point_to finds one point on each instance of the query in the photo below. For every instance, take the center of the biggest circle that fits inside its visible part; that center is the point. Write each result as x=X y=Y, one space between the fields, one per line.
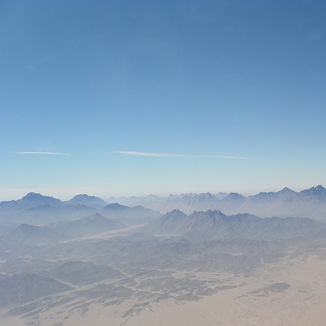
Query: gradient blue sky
x=197 y=79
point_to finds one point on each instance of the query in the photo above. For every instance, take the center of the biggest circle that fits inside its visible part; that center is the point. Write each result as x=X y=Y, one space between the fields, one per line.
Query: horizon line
x=53 y=192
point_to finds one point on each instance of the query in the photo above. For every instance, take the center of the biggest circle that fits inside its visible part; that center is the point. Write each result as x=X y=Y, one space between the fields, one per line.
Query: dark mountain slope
x=27 y=287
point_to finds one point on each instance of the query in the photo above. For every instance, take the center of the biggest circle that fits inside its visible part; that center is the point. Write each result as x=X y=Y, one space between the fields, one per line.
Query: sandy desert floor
x=10 y=321
x=291 y=292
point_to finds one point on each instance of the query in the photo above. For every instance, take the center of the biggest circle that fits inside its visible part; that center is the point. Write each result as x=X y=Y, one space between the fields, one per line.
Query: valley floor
x=290 y=292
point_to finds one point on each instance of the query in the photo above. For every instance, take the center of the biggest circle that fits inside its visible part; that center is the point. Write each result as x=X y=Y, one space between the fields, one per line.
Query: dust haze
x=89 y=260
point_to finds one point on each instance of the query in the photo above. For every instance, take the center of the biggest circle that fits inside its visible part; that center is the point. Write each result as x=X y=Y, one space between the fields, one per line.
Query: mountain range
x=87 y=251
x=218 y=226
x=54 y=232
x=36 y=209
x=286 y=202
x=40 y=210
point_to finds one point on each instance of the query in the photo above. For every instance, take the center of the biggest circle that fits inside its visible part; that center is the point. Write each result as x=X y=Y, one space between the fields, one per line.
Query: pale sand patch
x=301 y=304
x=10 y=321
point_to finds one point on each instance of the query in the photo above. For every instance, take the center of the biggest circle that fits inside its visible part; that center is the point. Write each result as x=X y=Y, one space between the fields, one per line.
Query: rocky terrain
x=135 y=266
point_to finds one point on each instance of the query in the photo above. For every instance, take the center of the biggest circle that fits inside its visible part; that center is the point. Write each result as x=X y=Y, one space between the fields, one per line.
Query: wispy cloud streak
x=179 y=155
x=40 y=153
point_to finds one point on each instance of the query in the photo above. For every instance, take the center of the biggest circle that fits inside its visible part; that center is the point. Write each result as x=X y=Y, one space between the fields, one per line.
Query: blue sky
x=235 y=90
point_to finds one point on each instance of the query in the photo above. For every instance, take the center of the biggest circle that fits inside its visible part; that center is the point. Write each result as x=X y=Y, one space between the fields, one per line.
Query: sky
x=120 y=98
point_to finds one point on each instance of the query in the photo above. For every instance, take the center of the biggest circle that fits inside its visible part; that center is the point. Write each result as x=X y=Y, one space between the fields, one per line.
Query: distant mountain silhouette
x=316 y=192
x=116 y=208
x=37 y=209
x=86 y=200
x=40 y=210
x=31 y=200
x=284 y=203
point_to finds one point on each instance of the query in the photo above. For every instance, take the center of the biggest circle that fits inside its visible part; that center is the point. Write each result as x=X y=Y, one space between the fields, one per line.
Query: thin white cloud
x=40 y=153
x=179 y=155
